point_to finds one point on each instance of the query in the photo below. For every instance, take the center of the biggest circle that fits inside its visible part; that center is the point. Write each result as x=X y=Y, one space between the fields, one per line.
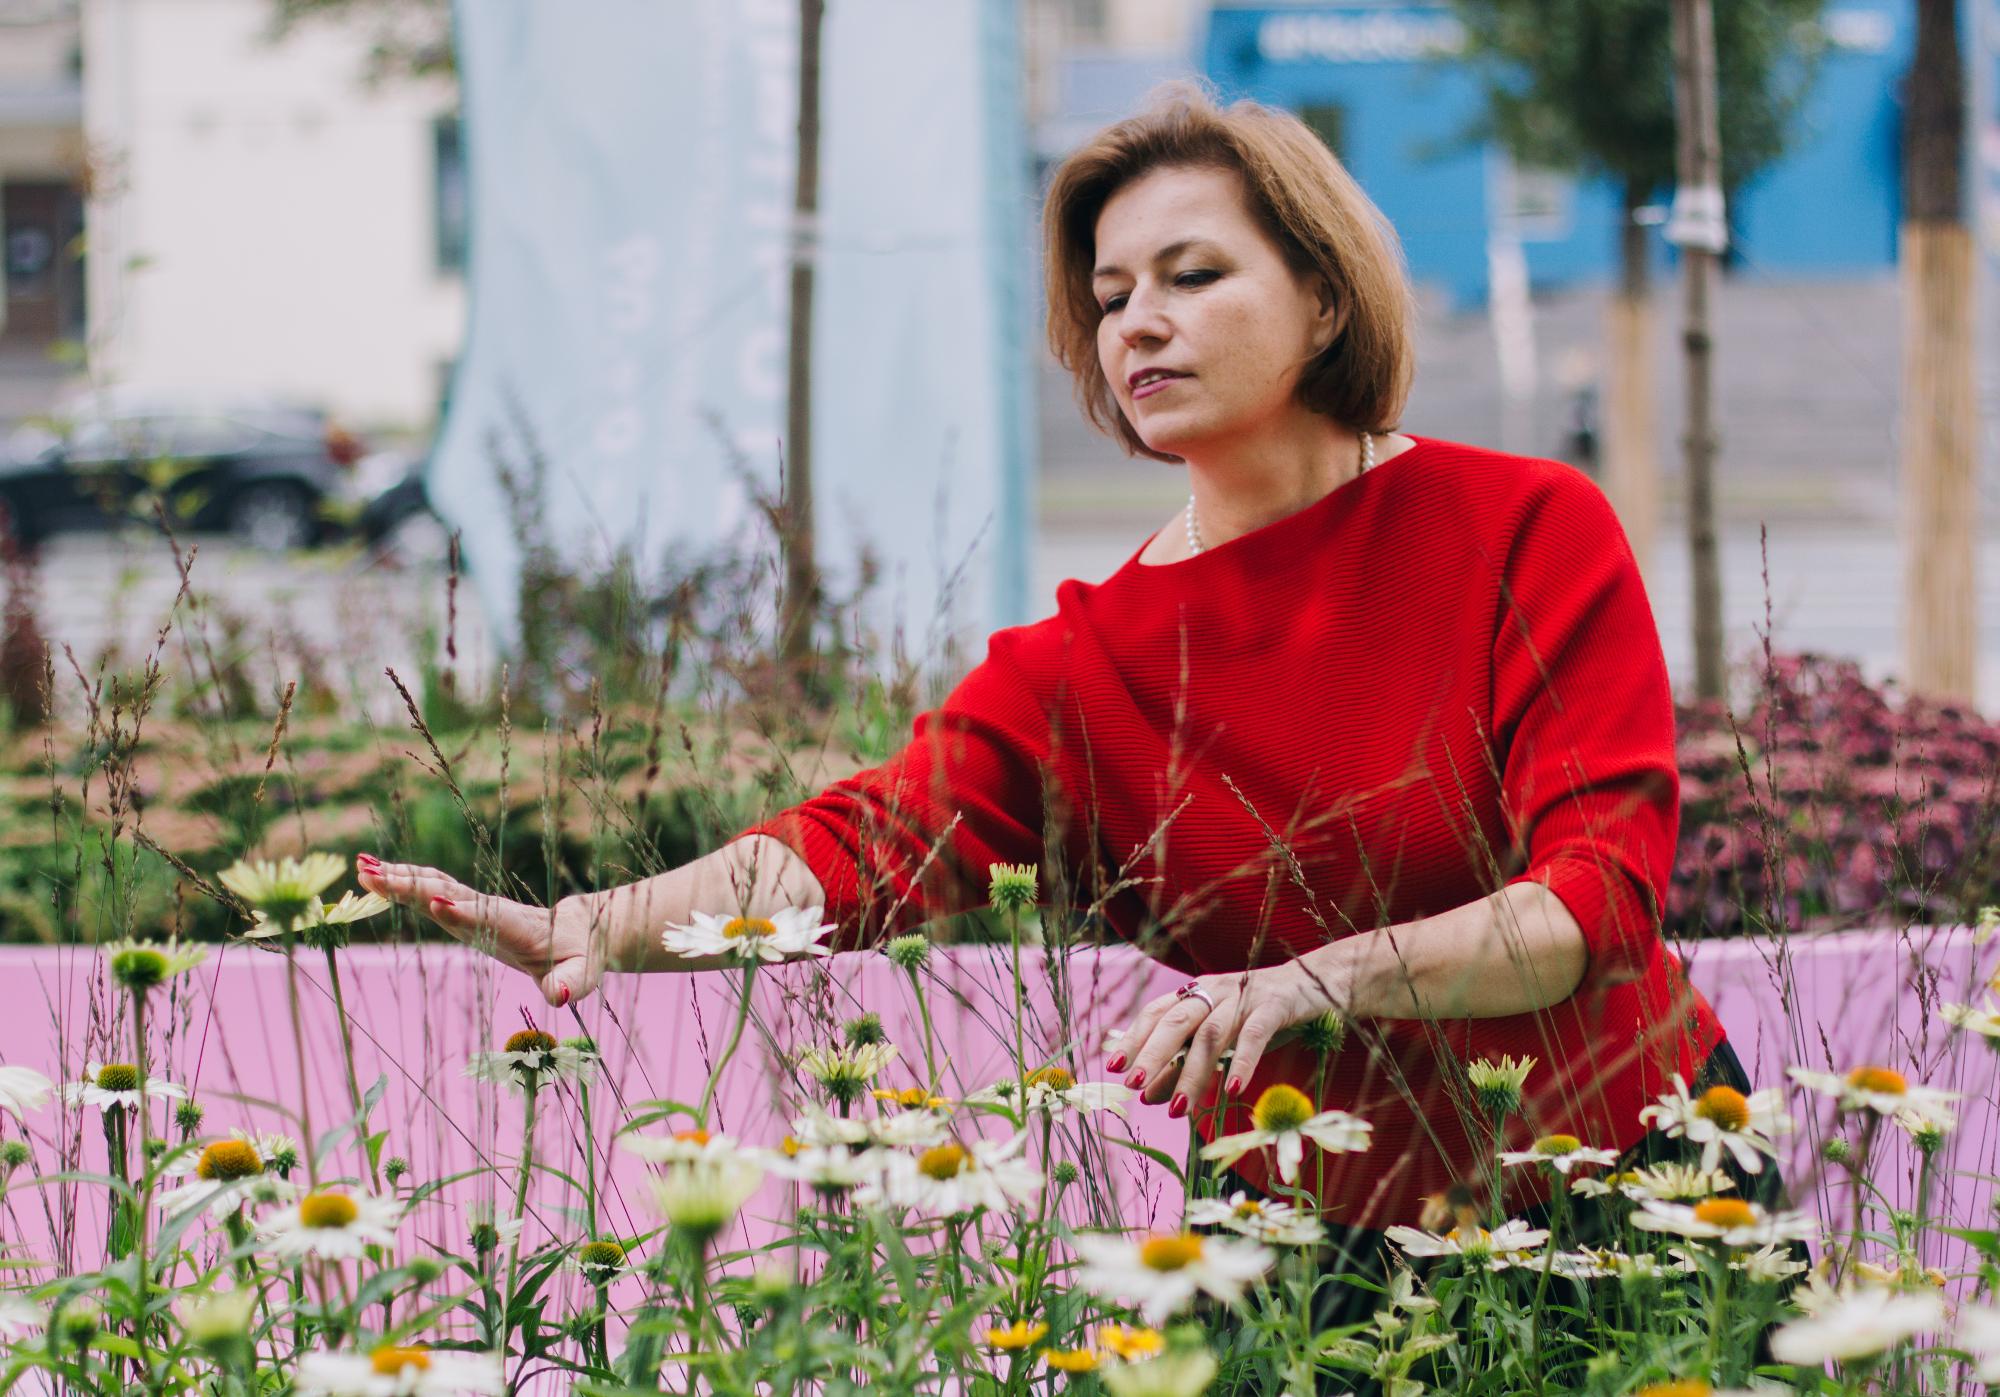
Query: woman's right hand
x=561 y=947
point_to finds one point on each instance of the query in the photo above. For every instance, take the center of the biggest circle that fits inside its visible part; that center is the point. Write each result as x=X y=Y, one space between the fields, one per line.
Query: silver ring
x=1193 y=991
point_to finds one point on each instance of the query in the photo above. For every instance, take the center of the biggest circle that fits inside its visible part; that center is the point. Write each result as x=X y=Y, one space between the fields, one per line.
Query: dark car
x=276 y=475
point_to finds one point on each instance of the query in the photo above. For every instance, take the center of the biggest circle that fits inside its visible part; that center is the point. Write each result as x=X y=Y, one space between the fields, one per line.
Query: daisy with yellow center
x=1859 y=1325
x=286 y=891
x=1503 y=1247
x=1723 y=1118
x=1882 y=1090
x=703 y=1197
x=115 y=1086
x=1731 y=1222
x=694 y=1146
x=146 y=965
x=844 y=1072
x=530 y=1060
x=323 y=924
x=1561 y=1153
x=1984 y=1021
x=828 y=1168
x=601 y=1262
x=334 y=1223
x=1019 y=1335
x=1055 y=1091
x=1160 y=1275
x=1265 y=1220
x=221 y=1173
x=1282 y=1121
x=400 y=1370
x=787 y=933
x=950 y=1179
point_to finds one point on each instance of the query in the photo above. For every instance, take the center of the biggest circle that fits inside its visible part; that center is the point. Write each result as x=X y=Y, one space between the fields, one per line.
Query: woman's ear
x=1331 y=318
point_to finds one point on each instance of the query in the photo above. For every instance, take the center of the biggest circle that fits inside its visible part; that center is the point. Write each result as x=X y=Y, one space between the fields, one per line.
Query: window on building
x=450 y=206
x=1328 y=121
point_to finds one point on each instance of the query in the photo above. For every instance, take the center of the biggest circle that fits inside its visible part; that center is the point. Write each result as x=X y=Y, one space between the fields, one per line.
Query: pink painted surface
x=418 y=1012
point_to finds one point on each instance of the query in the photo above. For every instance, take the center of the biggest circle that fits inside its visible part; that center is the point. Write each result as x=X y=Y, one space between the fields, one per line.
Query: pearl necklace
x=1194 y=529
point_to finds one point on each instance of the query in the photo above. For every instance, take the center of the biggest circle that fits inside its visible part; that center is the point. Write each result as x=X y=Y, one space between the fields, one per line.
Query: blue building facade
x=1381 y=81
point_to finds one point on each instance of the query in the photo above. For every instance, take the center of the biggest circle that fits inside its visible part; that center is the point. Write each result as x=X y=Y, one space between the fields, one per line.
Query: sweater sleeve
x=1584 y=724
x=914 y=838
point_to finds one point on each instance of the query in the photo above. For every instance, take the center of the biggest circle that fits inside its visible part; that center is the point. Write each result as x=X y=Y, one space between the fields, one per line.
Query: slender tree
x=1587 y=86
x=801 y=595
x=1940 y=412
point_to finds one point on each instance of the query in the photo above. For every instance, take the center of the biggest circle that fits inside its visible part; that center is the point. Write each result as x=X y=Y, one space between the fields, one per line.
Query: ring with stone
x=1193 y=991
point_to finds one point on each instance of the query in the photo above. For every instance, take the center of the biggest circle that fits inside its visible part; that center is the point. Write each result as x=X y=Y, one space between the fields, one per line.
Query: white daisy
x=600 y=1262
x=1265 y=1219
x=286 y=890
x=1561 y=1153
x=145 y=965
x=1979 y=1335
x=1497 y=1250
x=486 y=1231
x=1984 y=1021
x=220 y=1174
x=695 y=1146
x=397 y=1371
x=829 y=1168
x=1603 y=1263
x=351 y=908
x=1054 y=1091
x=1182 y=1373
x=949 y=1179
x=1878 y=1089
x=1723 y=1118
x=279 y=1151
x=703 y=1198
x=1161 y=1274
x=1731 y=1221
x=1859 y=1325
x=1674 y=1183
x=20 y=1317
x=1769 y=1264
x=845 y=1071
x=116 y=1084
x=1283 y=1120
x=531 y=1059
x=897 y=1130
x=23 y=1089
x=333 y=1223
x=792 y=931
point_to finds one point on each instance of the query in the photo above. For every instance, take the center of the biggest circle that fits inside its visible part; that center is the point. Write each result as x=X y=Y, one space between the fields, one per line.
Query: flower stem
x=521 y=1194
x=735 y=1038
x=145 y=1210
x=347 y=1058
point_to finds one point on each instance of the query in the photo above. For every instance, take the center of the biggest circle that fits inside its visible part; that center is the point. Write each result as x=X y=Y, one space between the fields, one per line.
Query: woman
x=1377 y=724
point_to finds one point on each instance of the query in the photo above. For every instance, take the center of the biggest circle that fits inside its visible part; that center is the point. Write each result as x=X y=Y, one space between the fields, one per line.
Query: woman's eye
x=1189 y=279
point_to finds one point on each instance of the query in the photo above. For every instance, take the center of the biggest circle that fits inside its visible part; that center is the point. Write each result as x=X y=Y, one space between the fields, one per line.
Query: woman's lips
x=1146 y=390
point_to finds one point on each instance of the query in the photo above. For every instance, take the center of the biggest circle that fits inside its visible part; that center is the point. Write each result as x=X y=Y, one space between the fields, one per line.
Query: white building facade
x=256 y=217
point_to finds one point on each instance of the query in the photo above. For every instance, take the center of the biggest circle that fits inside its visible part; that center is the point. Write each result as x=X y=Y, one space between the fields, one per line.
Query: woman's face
x=1187 y=281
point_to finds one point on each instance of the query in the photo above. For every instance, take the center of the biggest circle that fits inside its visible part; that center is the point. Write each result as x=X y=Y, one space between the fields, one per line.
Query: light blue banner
x=631 y=166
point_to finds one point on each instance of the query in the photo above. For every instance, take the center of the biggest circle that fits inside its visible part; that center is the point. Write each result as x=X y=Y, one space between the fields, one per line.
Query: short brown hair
x=1304 y=198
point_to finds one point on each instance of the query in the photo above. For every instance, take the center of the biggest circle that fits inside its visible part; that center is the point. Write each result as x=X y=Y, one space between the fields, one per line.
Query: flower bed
x=943 y=1240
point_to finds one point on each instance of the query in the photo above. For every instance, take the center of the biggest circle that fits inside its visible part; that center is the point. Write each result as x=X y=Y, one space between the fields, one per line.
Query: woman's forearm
x=750 y=877
x=1514 y=952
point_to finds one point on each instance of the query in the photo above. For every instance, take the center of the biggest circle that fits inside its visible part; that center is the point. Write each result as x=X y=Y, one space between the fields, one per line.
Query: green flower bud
x=1323 y=1036
x=396 y=1167
x=1065 y=1173
x=1013 y=886
x=13 y=1154
x=1836 y=1151
x=864 y=1030
x=188 y=1117
x=909 y=952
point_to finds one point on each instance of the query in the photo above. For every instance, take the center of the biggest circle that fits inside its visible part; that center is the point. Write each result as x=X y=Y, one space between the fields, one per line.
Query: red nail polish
x=1235 y=1086
x=1136 y=1080
x=1117 y=1064
x=1178 y=1107
x=443 y=902
x=560 y=1003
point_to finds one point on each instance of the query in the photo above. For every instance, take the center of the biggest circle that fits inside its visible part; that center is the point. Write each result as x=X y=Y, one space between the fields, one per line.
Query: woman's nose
x=1144 y=319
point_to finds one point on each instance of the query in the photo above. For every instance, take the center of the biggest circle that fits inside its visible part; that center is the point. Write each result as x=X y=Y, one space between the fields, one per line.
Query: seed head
x=1836 y=1151
x=1879 y=1079
x=1497 y=1085
x=188 y=1116
x=77 y=1323
x=13 y=1154
x=1013 y=886
x=1725 y=1106
x=908 y=952
x=863 y=1030
x=424 y=1269
x=600 y=1260
x=1170 y=1252
x=1065 y=1173
x=531 y=1040
x=118 y=1076
x=225 y=1161
x=1053 y=1078
x=740 y=927
x=1725 y=1212
x=328 y=1210
x=1557 y=1145
x=396 y=1167
x=1281 y=1108
x=392 y=1360
x=139 y=968
x=942 y=1161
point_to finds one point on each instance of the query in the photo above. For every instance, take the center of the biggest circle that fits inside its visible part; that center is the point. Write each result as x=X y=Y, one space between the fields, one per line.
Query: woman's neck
x=1238 y=492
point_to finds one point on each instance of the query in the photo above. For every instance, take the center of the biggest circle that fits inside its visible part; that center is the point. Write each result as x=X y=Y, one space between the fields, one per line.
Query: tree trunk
x=1632 y=467
x=1698 y=228
x=801 y=590
x=1940 y=412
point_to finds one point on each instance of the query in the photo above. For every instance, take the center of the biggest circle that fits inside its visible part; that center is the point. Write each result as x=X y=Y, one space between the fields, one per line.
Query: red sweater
x=1442 y=677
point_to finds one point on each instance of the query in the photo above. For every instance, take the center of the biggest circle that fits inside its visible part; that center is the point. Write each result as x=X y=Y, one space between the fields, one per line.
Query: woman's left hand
x=1251 y=1008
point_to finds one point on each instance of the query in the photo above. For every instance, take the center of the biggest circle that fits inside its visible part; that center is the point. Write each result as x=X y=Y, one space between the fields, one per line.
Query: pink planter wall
x=419 y=1011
